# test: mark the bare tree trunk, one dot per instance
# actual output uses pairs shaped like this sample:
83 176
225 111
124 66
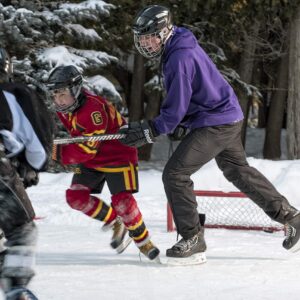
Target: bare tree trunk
272 147
245 72
293 107
124 79
152 111
136 110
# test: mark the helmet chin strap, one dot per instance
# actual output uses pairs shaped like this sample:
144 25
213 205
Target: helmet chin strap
166 35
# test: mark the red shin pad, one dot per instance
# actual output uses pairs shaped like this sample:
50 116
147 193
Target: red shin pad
126 207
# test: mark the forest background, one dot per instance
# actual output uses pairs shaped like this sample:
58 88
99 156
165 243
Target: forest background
255 44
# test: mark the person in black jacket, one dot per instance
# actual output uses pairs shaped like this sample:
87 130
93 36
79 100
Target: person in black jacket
25 144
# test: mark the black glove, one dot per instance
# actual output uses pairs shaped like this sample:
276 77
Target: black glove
28 175
138 133
178 134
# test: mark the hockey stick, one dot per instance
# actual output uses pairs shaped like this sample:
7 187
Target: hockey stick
92 138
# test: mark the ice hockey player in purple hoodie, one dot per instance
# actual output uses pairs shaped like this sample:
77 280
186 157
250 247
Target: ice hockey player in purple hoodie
199 100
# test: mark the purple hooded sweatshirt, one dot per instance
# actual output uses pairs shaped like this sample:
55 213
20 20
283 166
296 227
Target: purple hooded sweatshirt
197 93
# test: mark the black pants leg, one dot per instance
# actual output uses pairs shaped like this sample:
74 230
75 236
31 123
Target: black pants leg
232 161
195 150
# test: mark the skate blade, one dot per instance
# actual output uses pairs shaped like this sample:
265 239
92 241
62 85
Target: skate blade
195 259
296 247
121 248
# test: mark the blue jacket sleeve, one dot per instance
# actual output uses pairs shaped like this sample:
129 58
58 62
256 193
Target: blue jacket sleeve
176 103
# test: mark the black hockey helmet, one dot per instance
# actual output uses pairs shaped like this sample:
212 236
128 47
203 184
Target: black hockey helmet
152 21
66 77
6 66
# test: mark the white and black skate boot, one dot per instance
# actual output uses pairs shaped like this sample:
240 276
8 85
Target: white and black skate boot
149 250
120 239
189 251
292 240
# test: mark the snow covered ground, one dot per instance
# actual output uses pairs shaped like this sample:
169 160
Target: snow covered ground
74 260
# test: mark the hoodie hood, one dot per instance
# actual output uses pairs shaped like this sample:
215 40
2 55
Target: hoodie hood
181 38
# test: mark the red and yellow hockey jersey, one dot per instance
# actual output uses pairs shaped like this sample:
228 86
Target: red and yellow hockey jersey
95 116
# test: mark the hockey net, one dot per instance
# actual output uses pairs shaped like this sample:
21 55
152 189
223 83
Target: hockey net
230 210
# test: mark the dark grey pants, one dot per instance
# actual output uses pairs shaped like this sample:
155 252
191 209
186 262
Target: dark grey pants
224 144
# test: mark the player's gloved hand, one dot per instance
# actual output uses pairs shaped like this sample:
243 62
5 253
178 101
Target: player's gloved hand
178 134
28 175
138 133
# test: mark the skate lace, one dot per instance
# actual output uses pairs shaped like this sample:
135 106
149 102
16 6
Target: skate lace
290 232
184 244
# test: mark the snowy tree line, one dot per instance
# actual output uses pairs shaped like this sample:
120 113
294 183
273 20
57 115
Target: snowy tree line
254 44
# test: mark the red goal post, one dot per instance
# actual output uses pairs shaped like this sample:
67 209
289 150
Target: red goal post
229 210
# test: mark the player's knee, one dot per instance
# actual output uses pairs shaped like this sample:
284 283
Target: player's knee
78 196
165 177
171 177
122 202
125 205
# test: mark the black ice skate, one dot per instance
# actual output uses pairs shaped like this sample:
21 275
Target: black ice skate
188 252
292 240
120 239
186 248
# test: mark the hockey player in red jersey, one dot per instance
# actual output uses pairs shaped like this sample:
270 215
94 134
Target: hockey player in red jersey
85 114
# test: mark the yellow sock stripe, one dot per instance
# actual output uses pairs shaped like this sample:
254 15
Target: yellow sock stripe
98 209
141 236
108 215
133 179
138 224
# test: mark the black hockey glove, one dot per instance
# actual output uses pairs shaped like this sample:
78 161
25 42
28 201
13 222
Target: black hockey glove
138 133
178 134
28 175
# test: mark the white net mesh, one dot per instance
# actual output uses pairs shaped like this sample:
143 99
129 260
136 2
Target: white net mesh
230 210
239 213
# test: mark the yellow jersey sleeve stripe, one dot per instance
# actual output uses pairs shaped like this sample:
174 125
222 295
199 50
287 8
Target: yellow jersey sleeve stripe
119 118
87 149
74 122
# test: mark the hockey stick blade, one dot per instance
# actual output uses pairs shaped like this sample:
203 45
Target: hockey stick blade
92 138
